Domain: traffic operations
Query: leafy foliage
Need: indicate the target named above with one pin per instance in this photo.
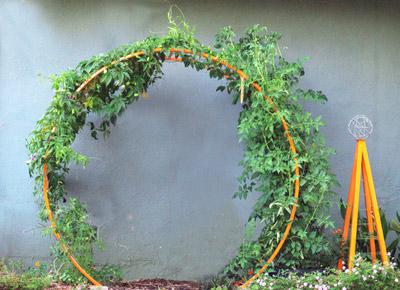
(363, 276)
(394, 246)
(14, 276)
(79, 235)
(268, 164)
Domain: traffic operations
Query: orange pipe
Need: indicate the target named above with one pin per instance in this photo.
(369, 213)
(375, 207)
(354, 217)
(349, 206)
(268, 99)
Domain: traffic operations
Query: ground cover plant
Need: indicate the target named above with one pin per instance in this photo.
(363, 276)
(13, 275)
(268, 164)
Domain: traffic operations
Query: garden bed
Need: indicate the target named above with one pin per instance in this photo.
(142, 284)
(150, 284)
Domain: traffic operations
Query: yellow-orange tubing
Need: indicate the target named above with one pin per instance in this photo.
(375, 207)
(56, 234)
(356, 204)
(242, 76)
(349, 207)
(369, 213)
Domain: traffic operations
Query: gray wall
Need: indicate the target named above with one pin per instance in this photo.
(160, 187)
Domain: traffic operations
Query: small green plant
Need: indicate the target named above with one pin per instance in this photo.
(79, 235)
(394, 246)
(109, 273)
(390, 230)
(220, 288)
(13, 275)
(215, 282)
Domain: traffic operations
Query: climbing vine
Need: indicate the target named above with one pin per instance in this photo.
(268, 164)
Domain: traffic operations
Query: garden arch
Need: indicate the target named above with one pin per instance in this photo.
(235, 70)
(51, 140)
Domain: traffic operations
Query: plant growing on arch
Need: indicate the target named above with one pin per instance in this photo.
(106, 84)
(267, 164)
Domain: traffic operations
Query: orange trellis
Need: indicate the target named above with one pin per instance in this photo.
(243, 77)
(362, 168)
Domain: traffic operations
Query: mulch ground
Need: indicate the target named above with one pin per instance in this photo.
(156, 284)
(142, 284)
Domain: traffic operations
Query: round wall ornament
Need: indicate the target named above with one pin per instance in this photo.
(360, 127)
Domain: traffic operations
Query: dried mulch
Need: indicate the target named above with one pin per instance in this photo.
(156, 284)
(142, 284)
(59, 286)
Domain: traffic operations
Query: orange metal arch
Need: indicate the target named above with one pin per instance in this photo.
(242, 75)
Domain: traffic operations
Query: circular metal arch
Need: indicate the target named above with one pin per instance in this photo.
(242, 75)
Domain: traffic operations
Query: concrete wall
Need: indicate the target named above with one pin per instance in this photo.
(160, 187)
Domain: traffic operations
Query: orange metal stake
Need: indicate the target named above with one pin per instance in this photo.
(354, 217)
(362, 167)
(349, 207)
(375, 208)
(369, 213)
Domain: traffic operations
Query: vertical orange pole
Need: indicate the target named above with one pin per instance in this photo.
(354, 218)
(349, 206)
(369, 212)
(375, 207)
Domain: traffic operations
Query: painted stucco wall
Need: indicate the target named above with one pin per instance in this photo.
(160, 188)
